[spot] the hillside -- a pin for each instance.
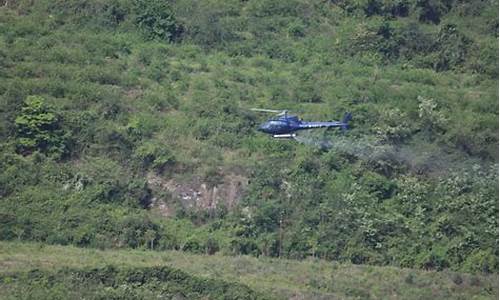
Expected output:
(251, 277)
(126, 124)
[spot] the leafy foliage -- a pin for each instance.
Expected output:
(38, 128)
(100, 84)
(137, 283)
(156, 19)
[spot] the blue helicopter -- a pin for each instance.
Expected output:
(286, 126)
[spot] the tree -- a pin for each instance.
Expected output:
(38, 128)
(453, 48)
(431, 117)
(150, 236)
(156, 19)
(432, 10)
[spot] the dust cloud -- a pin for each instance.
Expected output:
(420, 158)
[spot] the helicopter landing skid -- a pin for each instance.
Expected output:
(285, 136)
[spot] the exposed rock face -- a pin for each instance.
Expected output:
(197, 194)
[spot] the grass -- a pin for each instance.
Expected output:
(307, 279)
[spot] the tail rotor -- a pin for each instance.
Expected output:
(345, 120)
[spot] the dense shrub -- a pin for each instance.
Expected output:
(453, 48)
(156, 19)
(39, 128)
(127, 283)
(432, 10)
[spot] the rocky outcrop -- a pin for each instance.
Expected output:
(197, 194)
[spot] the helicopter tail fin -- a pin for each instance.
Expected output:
(345, 121)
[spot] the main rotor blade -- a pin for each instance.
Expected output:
(267, 110)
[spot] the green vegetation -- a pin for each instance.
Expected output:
(109, 282)
(274, 278)
(38, 129)
(105, 104)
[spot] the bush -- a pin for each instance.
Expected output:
(414, 41)
(156, 155)
(134, 229)
(433, 260)
(432, 10)
(110, 282)
(453, 48)
(481, 261)
(394, 126)
(193, 245)
(39, 129)
(155, 18)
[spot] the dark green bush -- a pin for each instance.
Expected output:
(156, 20)
(110, 282)
(432, 10)
(39, 129)
(453, 48)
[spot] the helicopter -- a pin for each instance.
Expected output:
(284, 125)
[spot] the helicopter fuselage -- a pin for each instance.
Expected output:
(285, 126)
